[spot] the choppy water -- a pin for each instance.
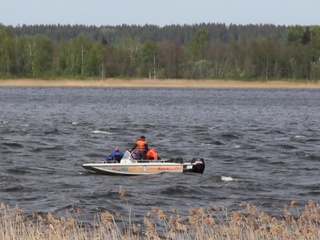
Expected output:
(260, 147)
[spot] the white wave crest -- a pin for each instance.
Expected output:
(227, 179)
(206, 144)
(298, 136)
(101, 132)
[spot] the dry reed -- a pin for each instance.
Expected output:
(204, 223)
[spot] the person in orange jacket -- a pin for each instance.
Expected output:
(142, 148)
(152, 154)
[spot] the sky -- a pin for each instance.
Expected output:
(160, 12)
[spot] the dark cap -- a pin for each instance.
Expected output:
(143, 137)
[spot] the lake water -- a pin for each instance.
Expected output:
(260, 147)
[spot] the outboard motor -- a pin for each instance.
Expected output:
(198, 165)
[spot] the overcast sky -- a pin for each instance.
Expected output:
(160, 12)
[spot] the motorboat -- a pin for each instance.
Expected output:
(130, 166)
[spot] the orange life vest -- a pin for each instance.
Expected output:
(152, 154)
(141, 144)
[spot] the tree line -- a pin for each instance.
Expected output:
(203, 51)
(176, 33)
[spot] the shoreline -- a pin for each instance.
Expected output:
(160, 83)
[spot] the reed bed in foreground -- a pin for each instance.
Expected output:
(203, 223)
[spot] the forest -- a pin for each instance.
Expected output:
(200, 51)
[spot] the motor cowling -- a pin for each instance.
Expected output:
(198, 165)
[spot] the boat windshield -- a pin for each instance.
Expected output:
(127, 155)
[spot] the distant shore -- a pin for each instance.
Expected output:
(160, 83)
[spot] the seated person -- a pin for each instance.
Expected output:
(152, 154)
(116, 155)
(142, 147)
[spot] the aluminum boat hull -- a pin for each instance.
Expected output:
(146, 167)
